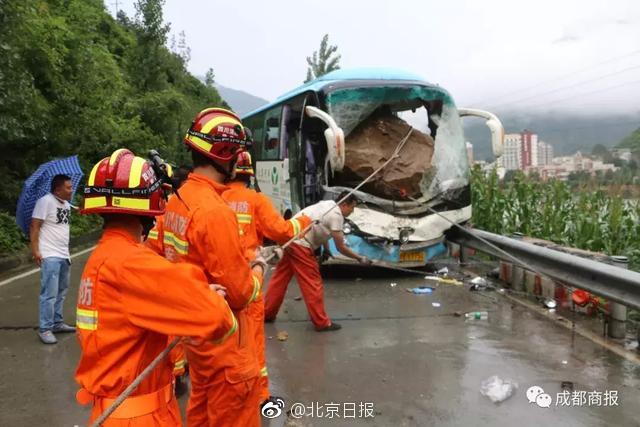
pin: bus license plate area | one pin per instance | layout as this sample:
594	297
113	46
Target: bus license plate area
412	256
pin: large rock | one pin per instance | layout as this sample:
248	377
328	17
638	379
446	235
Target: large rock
372	143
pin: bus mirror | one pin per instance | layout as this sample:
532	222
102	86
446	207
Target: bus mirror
493	123
334	137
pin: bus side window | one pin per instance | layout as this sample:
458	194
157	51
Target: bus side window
271	138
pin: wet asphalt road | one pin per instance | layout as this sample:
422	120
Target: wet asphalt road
397	358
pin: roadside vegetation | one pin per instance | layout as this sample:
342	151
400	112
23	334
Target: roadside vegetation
557	211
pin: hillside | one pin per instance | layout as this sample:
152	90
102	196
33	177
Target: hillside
77	81
631	141
241	102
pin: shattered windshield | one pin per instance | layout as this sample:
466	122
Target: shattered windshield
423	121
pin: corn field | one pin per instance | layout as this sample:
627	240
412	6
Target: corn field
591	220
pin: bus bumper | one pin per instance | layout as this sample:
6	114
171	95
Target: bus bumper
392	254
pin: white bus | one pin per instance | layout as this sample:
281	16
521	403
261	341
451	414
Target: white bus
329	134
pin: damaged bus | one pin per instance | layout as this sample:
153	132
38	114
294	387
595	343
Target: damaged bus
331	133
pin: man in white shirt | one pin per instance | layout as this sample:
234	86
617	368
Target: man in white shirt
49	234
299	260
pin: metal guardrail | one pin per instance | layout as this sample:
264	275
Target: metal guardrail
614	283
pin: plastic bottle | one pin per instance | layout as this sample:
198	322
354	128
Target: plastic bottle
477	315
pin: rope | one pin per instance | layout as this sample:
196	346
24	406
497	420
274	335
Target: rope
125	394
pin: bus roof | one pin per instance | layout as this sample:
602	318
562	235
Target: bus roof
342	75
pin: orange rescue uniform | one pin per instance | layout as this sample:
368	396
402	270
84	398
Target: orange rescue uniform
257	218
124	314
198	227
177	356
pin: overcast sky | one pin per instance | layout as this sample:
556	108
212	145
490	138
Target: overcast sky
484	52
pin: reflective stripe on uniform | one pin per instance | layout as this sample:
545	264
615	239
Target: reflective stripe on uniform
86	319
264	372
230	332
256	288
153	234
181	246
296	226
244	218
180	364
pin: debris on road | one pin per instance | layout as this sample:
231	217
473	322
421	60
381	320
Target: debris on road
421	290
283	336
298	298
479	281
443	270
435	304
393	285
477	315
497	389
550	303
446	280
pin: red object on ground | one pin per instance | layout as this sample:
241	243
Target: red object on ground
580	297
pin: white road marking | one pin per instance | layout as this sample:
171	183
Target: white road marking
35	270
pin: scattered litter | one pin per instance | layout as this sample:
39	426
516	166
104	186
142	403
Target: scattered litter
446	280
298	298
283	336
457	313
358	279
443	270
421	290
497	389
477	315
393	285
501	290
550	303
564	362
435	304
271	337
479	281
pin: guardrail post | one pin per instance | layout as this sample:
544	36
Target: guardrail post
617	322
462	260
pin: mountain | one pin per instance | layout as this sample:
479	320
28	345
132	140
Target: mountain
566	132
241	102
632	141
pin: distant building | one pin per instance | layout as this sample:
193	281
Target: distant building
529	149
545	154
512	155
562	167
621	153
469	152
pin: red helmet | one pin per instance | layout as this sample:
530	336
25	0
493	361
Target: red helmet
123	183
243	164
218	134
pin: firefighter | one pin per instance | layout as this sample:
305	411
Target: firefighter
198	227
257	218
299	260
125	310
155	241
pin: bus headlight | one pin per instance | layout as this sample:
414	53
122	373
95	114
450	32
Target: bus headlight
405	233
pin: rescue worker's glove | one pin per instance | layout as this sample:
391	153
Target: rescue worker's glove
364	260
259	260
271	254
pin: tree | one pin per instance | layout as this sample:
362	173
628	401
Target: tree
210	78
323	61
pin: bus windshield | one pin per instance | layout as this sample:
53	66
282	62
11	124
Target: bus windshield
375	119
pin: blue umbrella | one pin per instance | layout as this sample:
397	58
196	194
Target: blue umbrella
39	184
